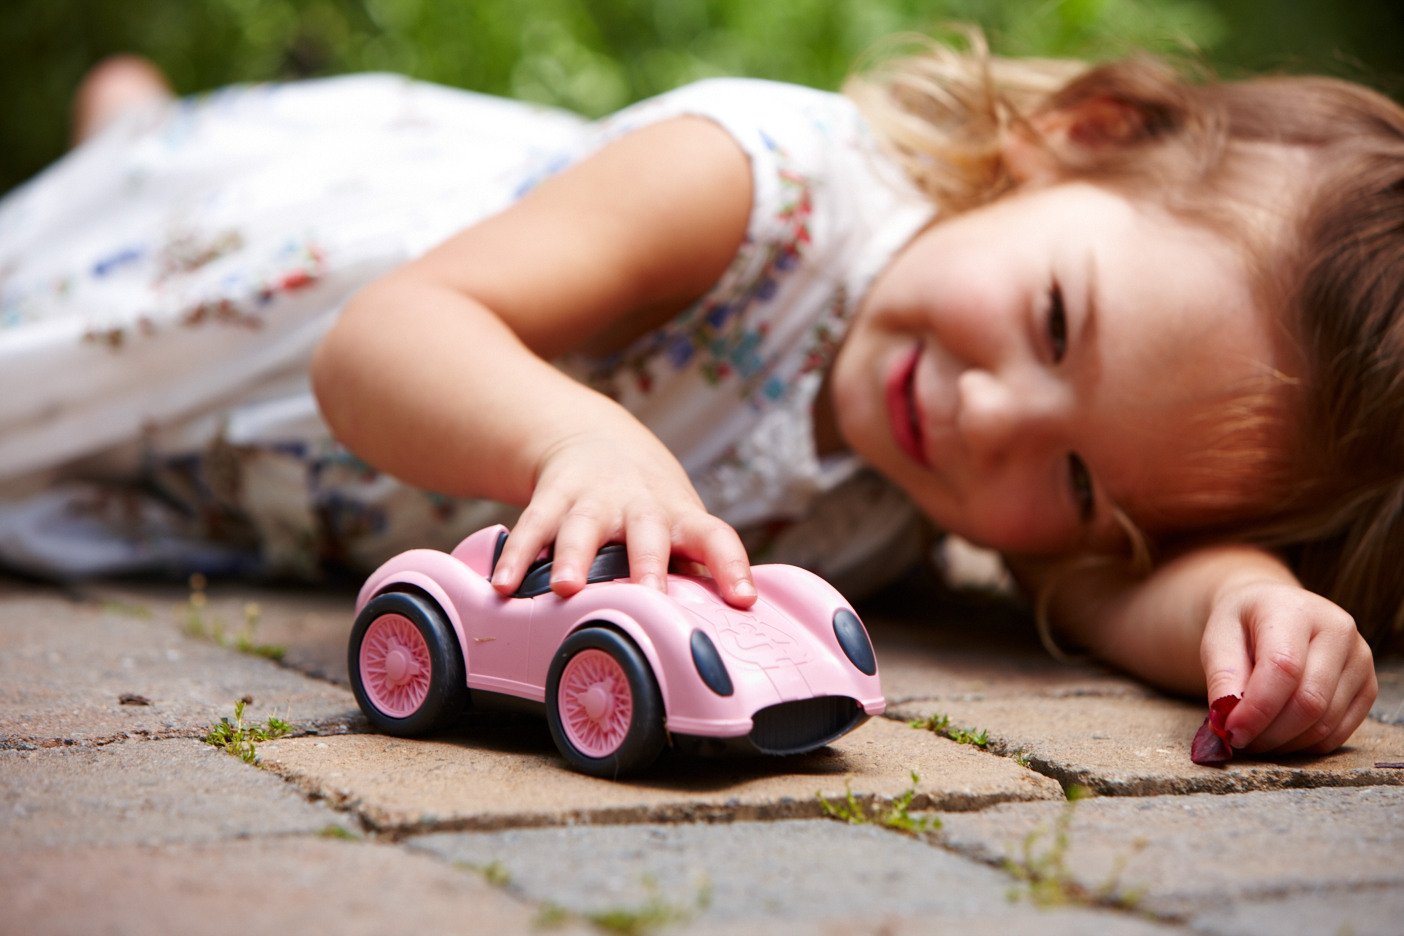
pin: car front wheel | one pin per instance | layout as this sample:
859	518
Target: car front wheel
603	705
405	665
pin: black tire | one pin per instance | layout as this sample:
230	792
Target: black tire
644	737
435	706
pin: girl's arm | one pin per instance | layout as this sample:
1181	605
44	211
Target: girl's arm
438	373
1230	620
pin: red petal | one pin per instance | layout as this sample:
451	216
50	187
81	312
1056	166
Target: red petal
1210	744
1219	713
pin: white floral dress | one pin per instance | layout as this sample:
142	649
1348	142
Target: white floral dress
162	287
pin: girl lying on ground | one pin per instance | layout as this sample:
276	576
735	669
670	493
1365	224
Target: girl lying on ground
1136	333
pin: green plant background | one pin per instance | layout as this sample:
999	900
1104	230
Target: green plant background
596	55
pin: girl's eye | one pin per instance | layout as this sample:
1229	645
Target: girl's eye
1080	484
1057	324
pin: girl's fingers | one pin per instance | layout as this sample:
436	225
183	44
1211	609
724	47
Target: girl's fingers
720	548
1354	696
1308	707
650	546
1279	662
652	539
1355	713
582	534
1225	655
524	543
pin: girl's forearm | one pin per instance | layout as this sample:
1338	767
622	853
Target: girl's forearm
427	384
1153	626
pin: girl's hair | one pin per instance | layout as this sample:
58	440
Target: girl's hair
1312	464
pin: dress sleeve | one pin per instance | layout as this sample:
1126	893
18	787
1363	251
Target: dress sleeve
821	188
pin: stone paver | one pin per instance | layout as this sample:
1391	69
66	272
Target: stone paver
113	818
1364	911
146	792
1192	856
237	887
997	659
1141	746
1085	725
774	877
510	775
90	672
1389	706
310	624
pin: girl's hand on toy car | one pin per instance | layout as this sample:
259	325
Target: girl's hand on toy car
1306	676
594	489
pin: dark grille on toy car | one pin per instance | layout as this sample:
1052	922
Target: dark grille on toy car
796	727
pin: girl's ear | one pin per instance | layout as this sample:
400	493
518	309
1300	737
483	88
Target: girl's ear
1079	130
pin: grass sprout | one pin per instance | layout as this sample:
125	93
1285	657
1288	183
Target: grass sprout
1043	872
897	814
941	725
240	739
199	623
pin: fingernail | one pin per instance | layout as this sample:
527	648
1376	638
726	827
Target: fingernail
651	580
745	588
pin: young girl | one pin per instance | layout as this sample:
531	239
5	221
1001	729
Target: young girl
1063	312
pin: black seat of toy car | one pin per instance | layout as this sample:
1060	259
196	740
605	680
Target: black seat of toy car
611	562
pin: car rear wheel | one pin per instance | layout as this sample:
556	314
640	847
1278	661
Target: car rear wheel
603	705
405	665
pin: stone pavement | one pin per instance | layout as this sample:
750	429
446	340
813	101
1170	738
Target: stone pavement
115	817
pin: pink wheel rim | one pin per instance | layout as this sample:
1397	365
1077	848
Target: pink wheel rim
595	702
395	665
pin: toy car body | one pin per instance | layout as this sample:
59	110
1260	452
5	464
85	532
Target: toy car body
621	668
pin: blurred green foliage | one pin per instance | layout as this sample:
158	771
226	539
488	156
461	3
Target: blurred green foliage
596	55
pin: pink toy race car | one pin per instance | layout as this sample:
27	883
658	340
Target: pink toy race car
619	667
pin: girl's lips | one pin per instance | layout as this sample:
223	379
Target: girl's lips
902	412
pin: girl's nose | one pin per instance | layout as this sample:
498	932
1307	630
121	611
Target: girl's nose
1000	417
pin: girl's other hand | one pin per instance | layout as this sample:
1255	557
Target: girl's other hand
595	489
1305	675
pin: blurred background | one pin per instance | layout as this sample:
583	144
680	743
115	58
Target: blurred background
595	55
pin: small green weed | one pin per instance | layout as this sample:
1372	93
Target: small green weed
334	831
941	725
201	625
494	872
641	920
980	739
896	816
552	916
126	608
637	921
1044	876
234	737
936	724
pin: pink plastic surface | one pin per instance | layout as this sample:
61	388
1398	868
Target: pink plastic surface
395	666
595	702
782	649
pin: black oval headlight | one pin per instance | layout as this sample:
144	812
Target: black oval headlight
853	638
709	664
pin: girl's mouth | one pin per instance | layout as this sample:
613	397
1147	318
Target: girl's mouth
902	411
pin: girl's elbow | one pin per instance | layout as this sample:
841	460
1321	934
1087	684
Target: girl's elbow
322	374
331	372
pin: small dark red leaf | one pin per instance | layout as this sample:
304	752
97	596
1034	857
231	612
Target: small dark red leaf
1211	741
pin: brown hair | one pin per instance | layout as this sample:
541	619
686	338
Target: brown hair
1329	493
1344	529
